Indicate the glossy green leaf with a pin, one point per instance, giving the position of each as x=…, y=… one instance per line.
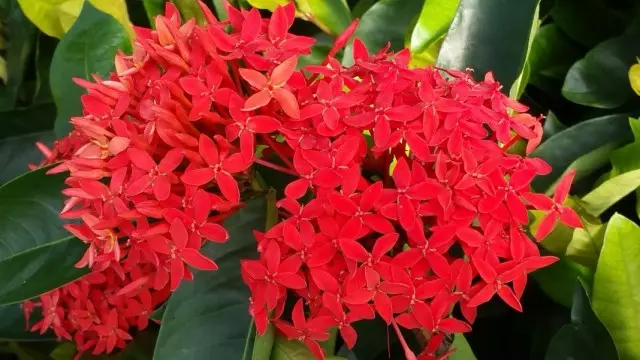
x=20, y=34
x=616, y=285
x=463, y=350
x=610, y=192
x=477, y=38
x=207, y=318
x=13, y=327
x=89, y=47
x=626, y=158
x=588, y=22
x=565, y=147
x=19, y=151
x=585, y=338
x=267, y=4
x=386, y=21
x=221, y=11
x=331, y=16
x=552, y=54
x=433, y=23
x=36, y=252
x=552, y=125
x=600, y=79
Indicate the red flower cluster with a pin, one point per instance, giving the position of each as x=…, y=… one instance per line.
x=164, y=152
x=161, y=155
x=448, y=227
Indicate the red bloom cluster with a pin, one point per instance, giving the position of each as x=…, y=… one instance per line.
x=447, y=227
x=161, y=155
x=164, y=152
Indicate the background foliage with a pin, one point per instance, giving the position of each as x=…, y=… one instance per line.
x=573, y=61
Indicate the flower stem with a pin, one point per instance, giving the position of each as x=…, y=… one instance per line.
x=408, y=354
x=273, y=166
x=510, y=143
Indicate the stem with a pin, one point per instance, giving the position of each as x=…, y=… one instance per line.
x=276, y=167
x=274, y=145
x=246, y=342
x=409, y=355
x=510, y=143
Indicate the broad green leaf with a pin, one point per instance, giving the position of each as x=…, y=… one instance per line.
x=588, y=163
x=601, y=79
x=558, y=279
x=626, y=158
x=552, y=125
x=36, y=252
x=56, y=17
x=208, y=318
x=568, y=145
x=427, y=57
x=585, y=338
x=634, y=78
x=386, y=21
x=463, y=350
x=433, y=23
x=89, y=47
x=284, y=349
x=189, y=9
x=331, y=16
x=40, y=269
x=361, y=7
x=586, y=244
x=610, y=192
x=19, y=151
x=552, y=54
x=27, y=120
x=616, y=288
x=20, y=34
x=13, y=327
x=477, y=38
x=158, y=313
x=588, y=22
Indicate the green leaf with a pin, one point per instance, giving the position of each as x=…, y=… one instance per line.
x=588, y=22
x=610, y=192
x=56, y=17
x=89, y=47
x=585, y=338
x=13, y=327
x=558, y=279
x=284, y=349
x=20, y=35
x=634, y=78
x=221, y=11
x=552, y=125
x=207, y=318
x=433, y=23
x=386, y=21
x=36, y=252
x=267, y=4
x=153, y=9
x=24, y=121
x=616, y=285
x=190, y=9
x=159, y=312
x=565, y=147
x=19, y=151
x=263, y=344
x=626, y=158
x=600, y=79
x=477, y=38
x=552, y=54
x=463, y=350
x=331, y=16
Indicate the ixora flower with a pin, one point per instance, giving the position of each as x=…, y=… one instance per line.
x=406, y=201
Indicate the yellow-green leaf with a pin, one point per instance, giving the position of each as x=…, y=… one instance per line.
x=55, y=17
x=610, y=192
x=634, y=78
x=434, y=21
x=616, y=288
